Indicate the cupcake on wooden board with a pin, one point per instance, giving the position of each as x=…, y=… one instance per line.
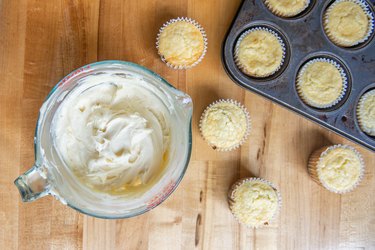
x=321, y=83
x=348, y=22
x=287, y=8
x=259, y=52
x=338, y=168
x=366, y=113
x=181, y=43
x=225, y=125
x=254, y=202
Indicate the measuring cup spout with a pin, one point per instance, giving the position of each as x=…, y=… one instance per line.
x=32, y=185
x=186, y=103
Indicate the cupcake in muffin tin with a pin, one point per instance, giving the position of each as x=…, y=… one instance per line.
x=348, y=22
x=321, y=83
x=287, y=8
x=366, y=112
x=259, y=52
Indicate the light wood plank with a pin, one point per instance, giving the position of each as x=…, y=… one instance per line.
x=12, y=49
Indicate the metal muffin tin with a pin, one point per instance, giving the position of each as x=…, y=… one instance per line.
x=305, y=38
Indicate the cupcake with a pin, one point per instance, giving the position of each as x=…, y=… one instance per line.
x=254, y=202
x=348, y=22
x=259, y=52
x=181, y=43
x=287, y=8
x=321, y=83
x=225, y=125
x=366, y=113
x=338, y=168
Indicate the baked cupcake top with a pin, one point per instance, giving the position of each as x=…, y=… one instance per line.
x=259, y=53
x=254, y=203
x=346, y=23
x=366, y=113
x=287, y=8
x=340, y=168
x=320, y=84
x=181, y=43
x=224, y=125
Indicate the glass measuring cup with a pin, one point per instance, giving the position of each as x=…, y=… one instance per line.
x=51, y=176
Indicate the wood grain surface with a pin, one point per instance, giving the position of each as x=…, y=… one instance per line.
x=41, y=41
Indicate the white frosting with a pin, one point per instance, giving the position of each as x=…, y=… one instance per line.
x=113, y=132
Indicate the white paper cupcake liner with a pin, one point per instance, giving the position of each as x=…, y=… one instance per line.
x=315, y=171
x=238, y=183
x=311, y=102
x=196, y=24
x=360, y=107
x=369, y=14
x=259, y=28
x=248, y=124
x=282, y=14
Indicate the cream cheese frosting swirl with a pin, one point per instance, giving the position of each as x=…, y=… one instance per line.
x=113, y=131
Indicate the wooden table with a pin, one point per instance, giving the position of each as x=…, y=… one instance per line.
x=41, y=41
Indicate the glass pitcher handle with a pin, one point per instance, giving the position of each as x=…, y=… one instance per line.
x=32, y=185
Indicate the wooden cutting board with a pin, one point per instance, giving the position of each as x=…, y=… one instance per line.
x=41, y=41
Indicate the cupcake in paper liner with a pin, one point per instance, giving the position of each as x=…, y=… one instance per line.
x=287, y=8
x=321, y=83
x=348, y=22
x=259, y=52
x=254, y=202
x=181, y=43
x=338, y=168
x=366, y=112
x=225, y=125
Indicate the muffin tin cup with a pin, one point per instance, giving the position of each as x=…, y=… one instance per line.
x=365, y=129
x=319, y=154
x=280, y=14
x=238, y=183
x=248, y=125
x=196, y=24
x=259, y=28
x=312, y=103
x=369, y=14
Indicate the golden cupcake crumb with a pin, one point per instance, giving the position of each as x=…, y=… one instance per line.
x=340, y=168
x=287, y=8
x=346, y=23
x=259, y=54
x=366, y=113
x=181, y=43
x=320, y=84
x=224, y=125
x=254, y=203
